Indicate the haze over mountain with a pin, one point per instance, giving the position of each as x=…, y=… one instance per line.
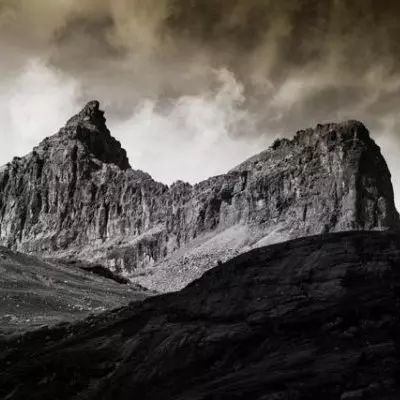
x=219, y=79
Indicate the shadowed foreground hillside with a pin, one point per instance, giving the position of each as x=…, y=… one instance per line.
x=310, y=319
x=34, y=292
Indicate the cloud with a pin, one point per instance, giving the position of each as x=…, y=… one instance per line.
x=217, y=78
x=34, y=103
x=175, y=141
x=194, y=137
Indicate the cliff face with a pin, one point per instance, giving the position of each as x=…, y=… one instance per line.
x=76, y=196
x=310, y=319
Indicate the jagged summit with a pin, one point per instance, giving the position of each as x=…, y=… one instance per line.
x=89, y=116
x=87, y=137
x=89, y=127
x=351, y=126
x=330, y=135
x=334, y=131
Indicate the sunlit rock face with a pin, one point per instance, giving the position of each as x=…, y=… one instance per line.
x=76, y=196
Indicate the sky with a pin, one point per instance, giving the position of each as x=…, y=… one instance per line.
x=193, y=87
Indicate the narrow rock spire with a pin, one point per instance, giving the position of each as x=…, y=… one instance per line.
x=89, y=115
x=89, y=127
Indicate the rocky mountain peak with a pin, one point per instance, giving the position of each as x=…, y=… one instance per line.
x=331, y=139
x=89, y=127
x=332, y=133
x=350, y=129
x=90, y=115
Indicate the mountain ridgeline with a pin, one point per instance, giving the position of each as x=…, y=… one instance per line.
x=76, y=196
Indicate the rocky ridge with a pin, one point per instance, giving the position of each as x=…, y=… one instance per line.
x=76, y=196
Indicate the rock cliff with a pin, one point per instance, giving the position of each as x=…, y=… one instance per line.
x=310, y=319
x=76, y=196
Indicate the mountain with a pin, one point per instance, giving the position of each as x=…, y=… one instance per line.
x=310, y=319
x=34, y=293
x=76, y=197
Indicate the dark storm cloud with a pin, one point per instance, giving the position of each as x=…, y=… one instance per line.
x=205, y=71
x=305, y=30
x=341, y=50
x=272, y=38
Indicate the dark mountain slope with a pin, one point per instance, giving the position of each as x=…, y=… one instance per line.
x=310, y=319
x=34, y=292
x=76, y=196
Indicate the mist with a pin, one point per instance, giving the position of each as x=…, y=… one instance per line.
x=193, y=87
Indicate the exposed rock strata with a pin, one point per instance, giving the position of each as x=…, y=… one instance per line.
x=316, y=318
x=76, y=195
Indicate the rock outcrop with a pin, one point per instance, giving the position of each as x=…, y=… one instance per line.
x=76, y=196
x=311, y=319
